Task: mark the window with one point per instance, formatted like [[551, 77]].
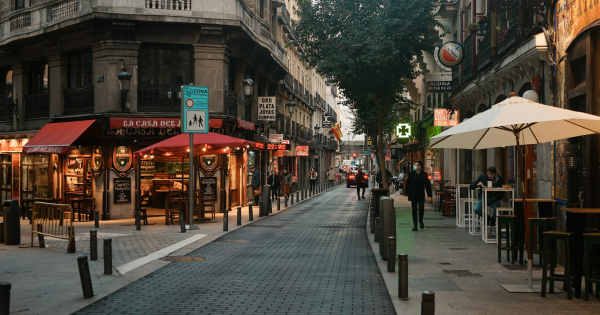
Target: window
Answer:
[[80, 70], [6, 87], [261, 9], [164, 66], [38, 78], [19, 4]]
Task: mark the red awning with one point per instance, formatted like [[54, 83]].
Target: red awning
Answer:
[[206, 143], [56, 137], [138, 122]]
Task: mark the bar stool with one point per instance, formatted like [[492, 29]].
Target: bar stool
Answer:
[[541, 225], [76, 206], [510, 221], [592, 261], [439, 196], [551, 260], [144, 215]]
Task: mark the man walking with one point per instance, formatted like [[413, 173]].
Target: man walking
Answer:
[[331, 176], [286, 180], [493, 198], [273, 180], [417, 182], [361, 182]]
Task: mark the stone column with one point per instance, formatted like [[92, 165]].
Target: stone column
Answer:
[[20, 72], [58, 68], [211, 65], [107, 64]]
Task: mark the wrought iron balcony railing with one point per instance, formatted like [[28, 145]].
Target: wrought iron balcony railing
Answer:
[[79, 100], [37, 106], [159, 97], [7, 109]]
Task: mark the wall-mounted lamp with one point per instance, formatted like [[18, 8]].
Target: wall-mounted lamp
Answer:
[[125, 83]]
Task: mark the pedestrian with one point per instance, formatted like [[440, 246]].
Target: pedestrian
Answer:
[[379, 179], [493, 198], [286, 180], [273, 180], [361, 182], [331, 176], [312, 175], [417, 182], [255, 183]]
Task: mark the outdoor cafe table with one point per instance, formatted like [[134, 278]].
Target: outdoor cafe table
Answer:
[[460, 201], [576, 222], [484, 233], [545, 210]]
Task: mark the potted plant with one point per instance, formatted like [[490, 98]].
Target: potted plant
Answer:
[[474, 27]]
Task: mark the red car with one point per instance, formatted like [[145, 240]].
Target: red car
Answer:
[[352, 179]]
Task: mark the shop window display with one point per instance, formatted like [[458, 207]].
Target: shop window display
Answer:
[[6, 178]]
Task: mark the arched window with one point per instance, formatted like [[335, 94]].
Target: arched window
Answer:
[[500, 98], [524, 88]]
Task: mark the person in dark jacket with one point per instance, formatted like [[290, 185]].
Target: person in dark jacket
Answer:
[[379, 178], [361, 182], [493, 198], [255, 183], [417, 182], [273, 180]]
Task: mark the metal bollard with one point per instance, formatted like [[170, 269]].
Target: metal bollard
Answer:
[[428, 303], [225, 220], [297, 196], [260, 209], [239, 215], [309, 192], [108, 256], [372, 218], [286, 199], [96, 219], [278, 203], [4, 298], [1, 232], [182, 220], [377, 229], [391, 262], [403, 276], [84, 275], [302, 194], [73, 247], [41, 236], [138, 225], [292, 198], [93, 245], [250, 212]]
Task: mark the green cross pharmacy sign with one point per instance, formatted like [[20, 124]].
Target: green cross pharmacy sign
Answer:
[[403, 130]]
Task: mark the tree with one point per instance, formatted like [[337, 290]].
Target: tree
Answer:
[[368, 48]]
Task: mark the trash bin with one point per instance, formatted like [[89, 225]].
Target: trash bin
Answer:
[[12, 224], [387, 226], [266, 198]]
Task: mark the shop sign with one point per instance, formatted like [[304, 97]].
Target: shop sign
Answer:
[[369, 141], [194, 108], [208, 188], [119, 122], [278, 146], [258, 146], [277, 138], [388, 155], [246, 125], [445, 117], [13, 145], [122, 190], [367, 153], [122, 158], [326, 121], [437, 176], [439, 82], [266, 108], [302, 150], [16, 175], [572, 17], [449, 55], [403, 131], [122, 132]]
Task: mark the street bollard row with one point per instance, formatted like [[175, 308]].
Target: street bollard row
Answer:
[[226, 220], [93, 245], [41, 236], [391, 262], [181, 220], [239, 215]]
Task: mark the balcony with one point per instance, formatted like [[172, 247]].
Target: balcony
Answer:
[[283, 16], [467, 67], [79, 101], [159, 98], [7, 109], [63, 9], [232, 101], [178, 5], [484, 49], [20, 21], [37, 106]]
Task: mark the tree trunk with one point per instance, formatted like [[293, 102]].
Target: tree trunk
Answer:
[[380, 154]]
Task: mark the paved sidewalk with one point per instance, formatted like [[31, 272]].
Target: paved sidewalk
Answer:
[[46, 281], [441, 249], [312, 259]]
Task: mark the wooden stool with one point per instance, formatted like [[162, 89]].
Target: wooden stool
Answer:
[[542, 225], [76, 205], [592, 261], [551, 260], [510, 221], [439, 196], [144, 215]]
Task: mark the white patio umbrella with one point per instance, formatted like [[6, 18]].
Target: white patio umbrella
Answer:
[[517, 121]]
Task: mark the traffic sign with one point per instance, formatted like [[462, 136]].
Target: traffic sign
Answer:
[[194, 109]]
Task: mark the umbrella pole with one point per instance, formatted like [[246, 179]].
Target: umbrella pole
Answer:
[[526, 226]]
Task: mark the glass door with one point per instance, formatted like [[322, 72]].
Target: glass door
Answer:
[[27, 177], [40, 184], [6, 178]]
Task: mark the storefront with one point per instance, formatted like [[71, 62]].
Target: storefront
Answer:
[[10, 167]]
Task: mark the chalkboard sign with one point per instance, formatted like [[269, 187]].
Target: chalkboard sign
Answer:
[[208, 188], [122, 190]]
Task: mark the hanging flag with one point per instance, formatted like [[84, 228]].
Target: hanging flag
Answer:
[[337, 132]]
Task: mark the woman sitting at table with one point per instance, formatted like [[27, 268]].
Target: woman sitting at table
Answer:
[[493, 198]]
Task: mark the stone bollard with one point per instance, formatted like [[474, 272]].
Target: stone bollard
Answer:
[[41, 236], [239, 215], [96, 219], [278, 203], [72, 248], [376, 230], [84, 275], [391, 265], [93, 245], [108, 256], [181, 220], [5, 298], [138, 223], [250, 212], [225, 220], [403, 276], [428, 303]]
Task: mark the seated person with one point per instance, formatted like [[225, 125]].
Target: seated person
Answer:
[[493, 198]]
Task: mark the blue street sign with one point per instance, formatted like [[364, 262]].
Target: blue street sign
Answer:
[[368, 153], [194, 109]]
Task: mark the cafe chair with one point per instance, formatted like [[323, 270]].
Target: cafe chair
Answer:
[[143, 215], [173, 204], [550, 256], [511, 246], [537, 227], [449, 201], [209, 206], [592, 264]]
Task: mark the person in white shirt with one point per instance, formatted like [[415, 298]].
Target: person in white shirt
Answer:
[[312, 175]]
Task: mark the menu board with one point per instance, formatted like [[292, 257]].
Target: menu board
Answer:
[[510, 163], [208, 188], [122, 190]]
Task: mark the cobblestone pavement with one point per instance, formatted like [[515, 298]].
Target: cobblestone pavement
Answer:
[[312, 259]]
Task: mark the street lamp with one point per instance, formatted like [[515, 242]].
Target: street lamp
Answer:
[[290, 108], [124, 82], [247, 83]]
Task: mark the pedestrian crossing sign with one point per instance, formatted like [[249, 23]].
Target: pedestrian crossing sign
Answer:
[[194, 109]]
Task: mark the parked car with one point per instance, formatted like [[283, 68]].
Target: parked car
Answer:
[[352, 179]]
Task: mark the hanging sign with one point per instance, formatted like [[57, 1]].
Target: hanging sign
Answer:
[[266, 108], [122, 158], [326, 121], [403, 130], [449, 55], [445, 117], [194, 108], [122, 190], [438, 82], [276, 138], [302, 150]]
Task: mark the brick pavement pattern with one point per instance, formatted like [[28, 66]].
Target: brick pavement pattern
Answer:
[[314, 258]]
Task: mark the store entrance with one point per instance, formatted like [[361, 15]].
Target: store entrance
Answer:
[[6, 178]]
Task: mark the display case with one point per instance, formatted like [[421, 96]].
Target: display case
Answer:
[[5, 177], [78, 176], [147, 168], [41, 183]]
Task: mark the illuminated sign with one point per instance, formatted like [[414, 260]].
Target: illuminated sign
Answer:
[[403, 131], [278, 146], [445, 117], [301, 150]]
